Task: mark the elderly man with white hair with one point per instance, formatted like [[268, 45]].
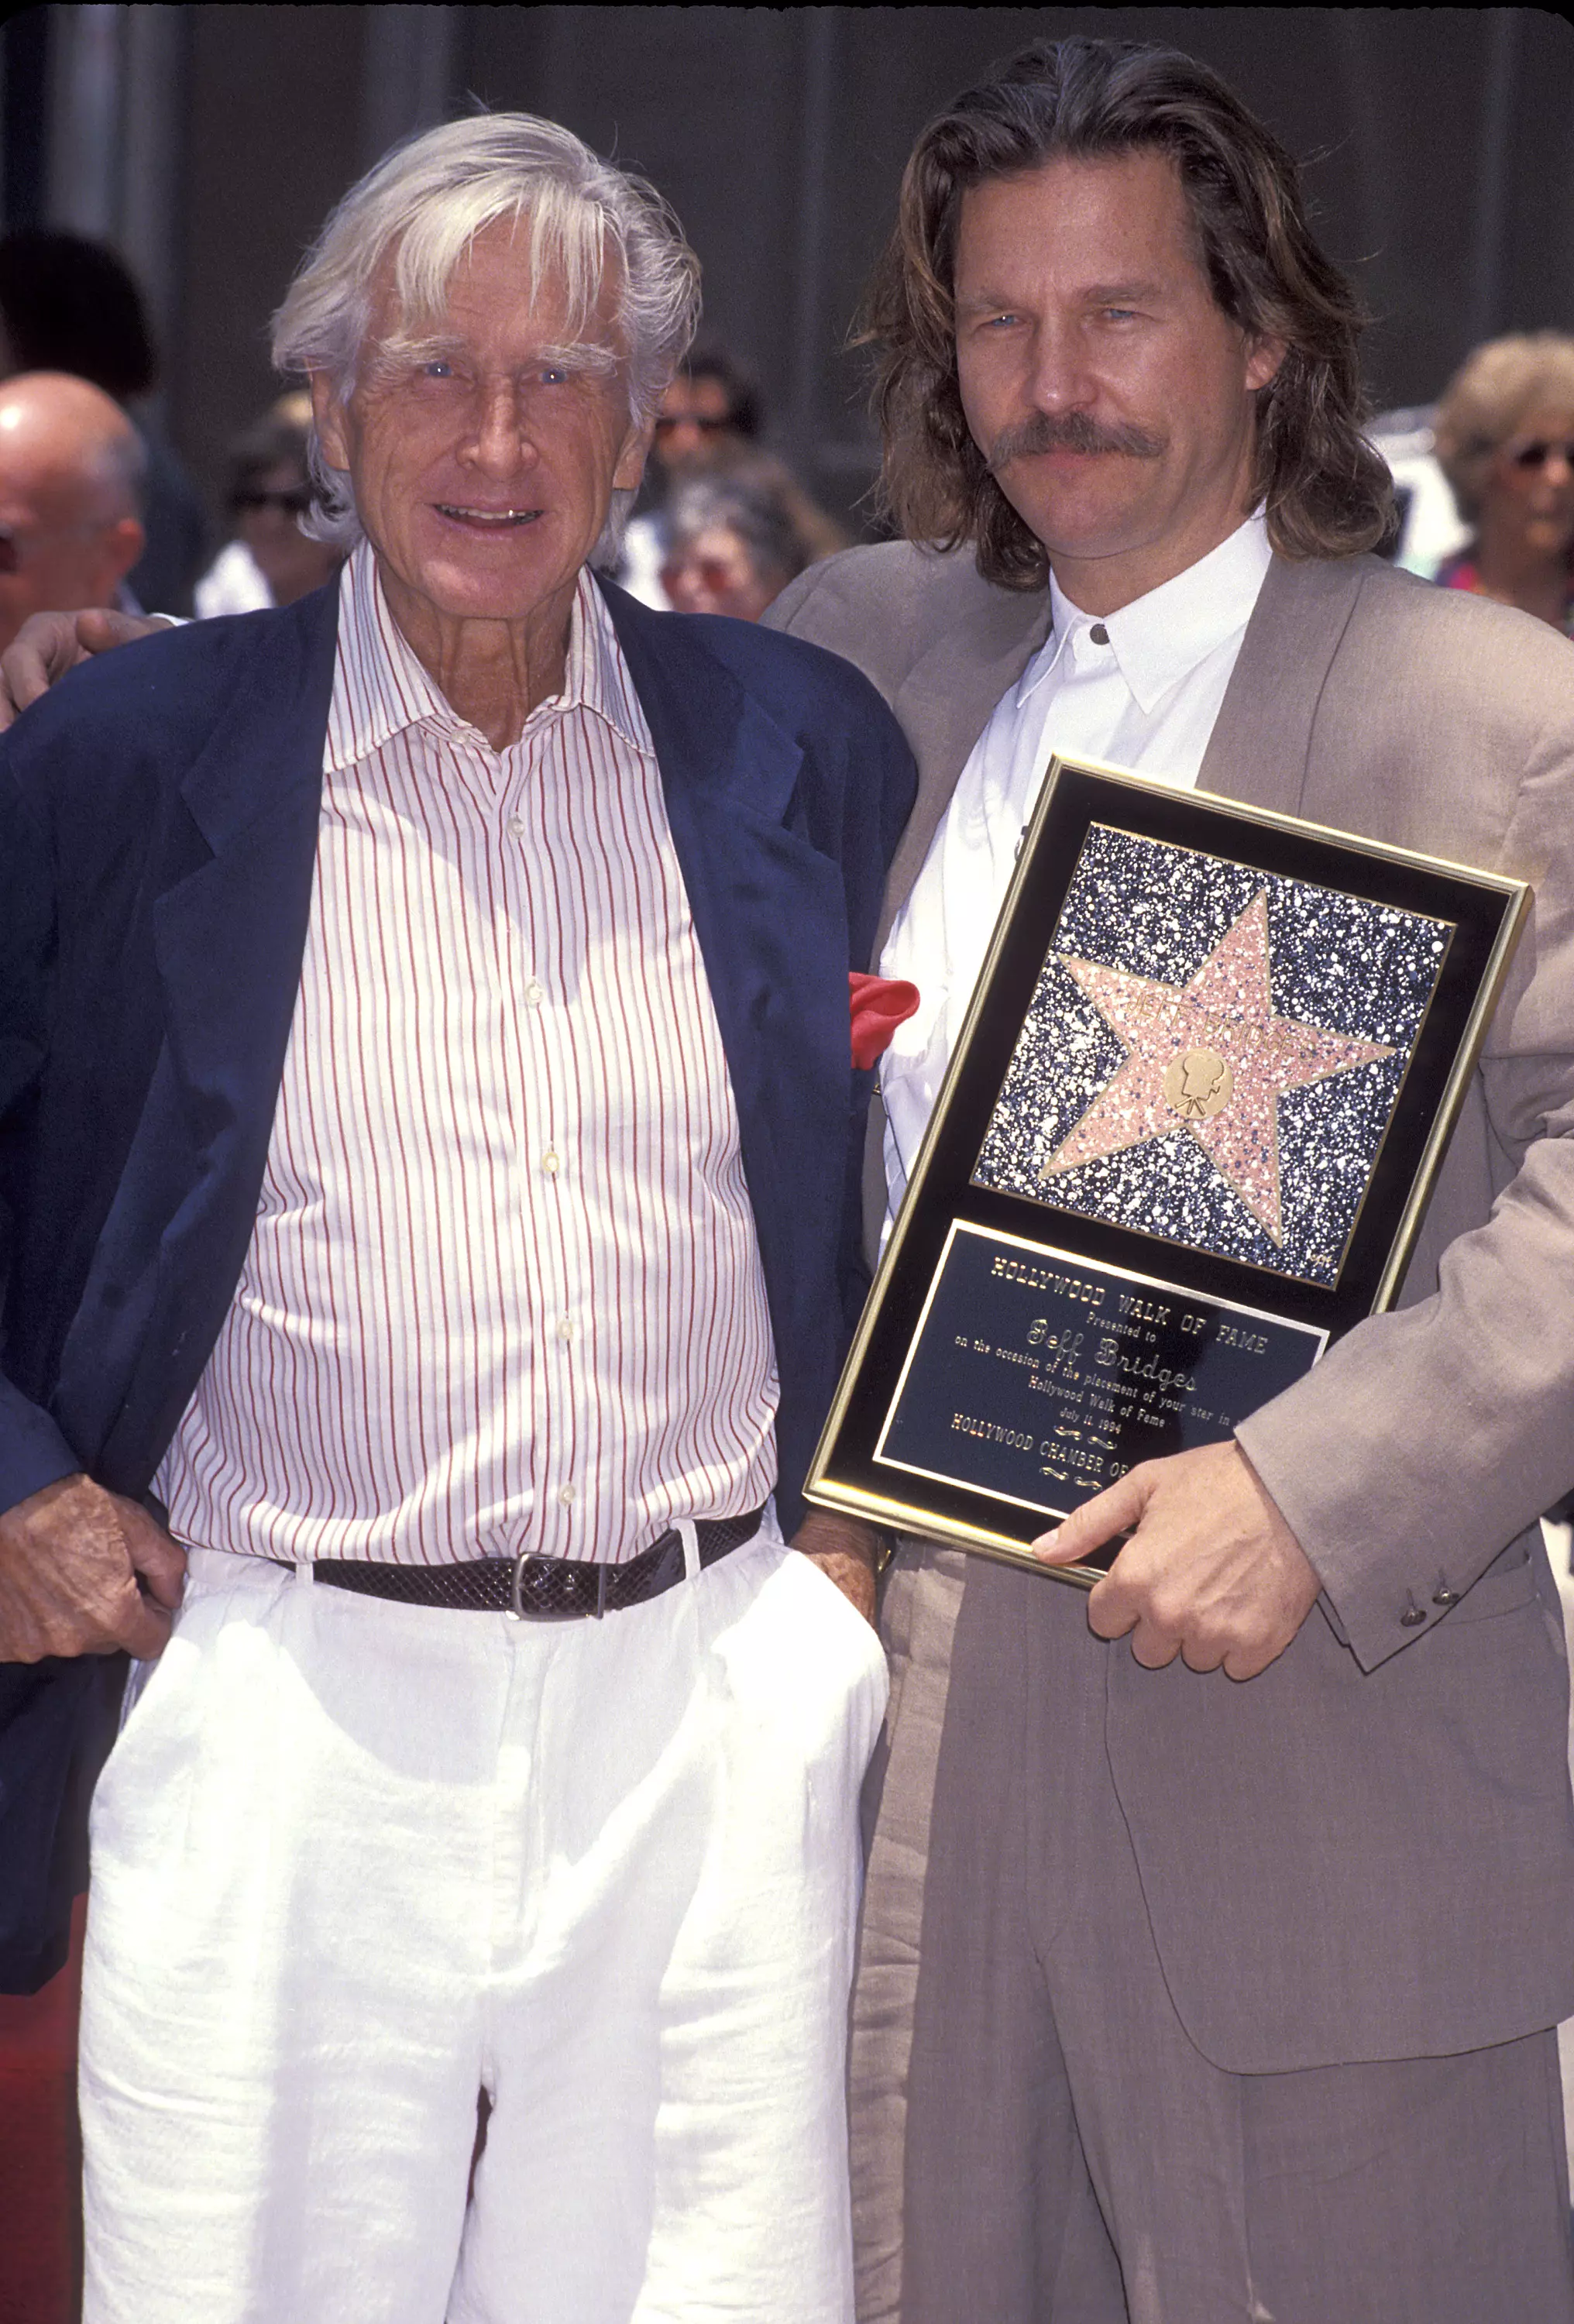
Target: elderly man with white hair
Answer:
[[429, 1136]]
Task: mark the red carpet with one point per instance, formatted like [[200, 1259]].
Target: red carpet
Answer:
[[40, 2162]]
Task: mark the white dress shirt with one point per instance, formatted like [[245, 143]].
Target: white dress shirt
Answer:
[[1140, 689], [503, 1291]]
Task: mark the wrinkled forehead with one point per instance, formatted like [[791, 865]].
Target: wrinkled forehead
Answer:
[[552, 266]]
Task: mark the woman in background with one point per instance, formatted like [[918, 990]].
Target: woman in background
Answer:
[[271, 561], [1505, 438], [736, 540]]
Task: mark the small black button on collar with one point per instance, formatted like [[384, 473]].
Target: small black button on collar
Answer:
[[1100, 634]]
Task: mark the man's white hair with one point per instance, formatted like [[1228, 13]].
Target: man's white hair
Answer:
[[424, 202]]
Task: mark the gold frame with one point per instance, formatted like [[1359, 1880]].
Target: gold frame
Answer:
[[886, 1509]]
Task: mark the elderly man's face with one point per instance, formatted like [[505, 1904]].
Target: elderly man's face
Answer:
[[1111, 395], [484, 462]]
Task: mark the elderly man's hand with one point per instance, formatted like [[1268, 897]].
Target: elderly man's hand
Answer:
[[1211, 1572], [48, 645], [69, 1559], [845, 1551]]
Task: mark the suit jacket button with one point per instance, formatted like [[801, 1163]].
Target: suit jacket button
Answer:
[[1412, 1615], [1444, 1597]]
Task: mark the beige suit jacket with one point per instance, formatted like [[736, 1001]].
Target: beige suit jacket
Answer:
[[1367, 1851]]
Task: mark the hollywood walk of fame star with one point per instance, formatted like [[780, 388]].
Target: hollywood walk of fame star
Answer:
[[1207, 1060]]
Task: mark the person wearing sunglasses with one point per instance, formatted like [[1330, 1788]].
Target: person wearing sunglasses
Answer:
[[736, 540], [71, 474], [1504, 432], [269, 561], [708, 424], [709, 415]]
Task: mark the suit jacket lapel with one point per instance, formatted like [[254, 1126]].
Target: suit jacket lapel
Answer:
[[771, 921], [943, 706], [229, 940], [1262, 737]]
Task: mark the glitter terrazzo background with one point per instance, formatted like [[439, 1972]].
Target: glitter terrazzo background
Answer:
[[1358, 968]]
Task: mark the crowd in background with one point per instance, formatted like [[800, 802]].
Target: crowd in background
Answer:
[[97, 508]]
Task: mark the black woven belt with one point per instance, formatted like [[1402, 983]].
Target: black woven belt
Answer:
[[539, 1588]]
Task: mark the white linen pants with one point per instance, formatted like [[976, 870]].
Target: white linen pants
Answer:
[[354, 1862]]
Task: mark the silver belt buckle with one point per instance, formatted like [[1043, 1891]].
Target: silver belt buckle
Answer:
[[520, 1612]]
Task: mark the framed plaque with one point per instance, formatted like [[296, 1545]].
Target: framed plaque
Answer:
[[1185, 1139]]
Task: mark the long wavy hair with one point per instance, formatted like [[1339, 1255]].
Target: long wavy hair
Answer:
[[1326, 491]]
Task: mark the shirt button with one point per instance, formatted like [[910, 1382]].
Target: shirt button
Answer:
[[516, 826], [565, 1496], [1100, 634], [550, 1163], [564, 1329], [535, 993]]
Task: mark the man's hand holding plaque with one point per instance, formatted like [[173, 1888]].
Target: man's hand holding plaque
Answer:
[[1210, 1570], [1183, 1143]]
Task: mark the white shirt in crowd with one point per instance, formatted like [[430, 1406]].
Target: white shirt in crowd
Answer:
[[503, 1292], [233, 583], [1139, 689], [644, 553]]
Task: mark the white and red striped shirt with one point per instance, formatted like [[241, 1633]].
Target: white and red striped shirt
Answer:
[[504, 1289]]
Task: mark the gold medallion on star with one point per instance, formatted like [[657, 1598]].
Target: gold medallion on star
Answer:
[[1207, 1060]]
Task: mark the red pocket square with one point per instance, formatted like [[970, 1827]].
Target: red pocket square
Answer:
[[880, 1004]]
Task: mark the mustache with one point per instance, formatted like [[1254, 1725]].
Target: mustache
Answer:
[[1072, 431]]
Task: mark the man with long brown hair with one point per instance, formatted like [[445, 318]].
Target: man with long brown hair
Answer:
[[1217, 1923]]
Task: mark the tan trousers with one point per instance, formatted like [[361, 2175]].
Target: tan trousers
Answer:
[[1036, 2139]]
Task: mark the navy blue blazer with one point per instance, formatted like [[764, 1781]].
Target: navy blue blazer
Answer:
[[158, 833]]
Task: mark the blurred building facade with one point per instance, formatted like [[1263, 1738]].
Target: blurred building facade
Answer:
[[206, 143]]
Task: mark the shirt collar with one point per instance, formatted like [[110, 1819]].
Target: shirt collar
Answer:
[[1160, 639], [381, 689]]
